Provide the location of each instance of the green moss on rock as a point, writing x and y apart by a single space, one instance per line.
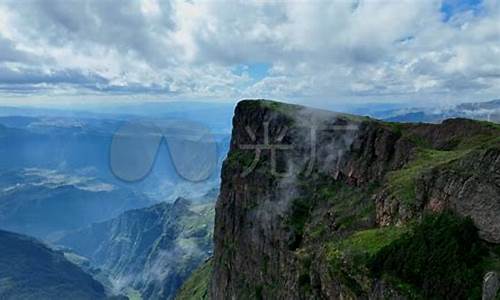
356 251
196 287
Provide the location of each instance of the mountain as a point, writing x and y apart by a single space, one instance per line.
31 270
44 203
486 111
152 249
79 144
353 208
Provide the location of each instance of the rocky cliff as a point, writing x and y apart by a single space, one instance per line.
314 205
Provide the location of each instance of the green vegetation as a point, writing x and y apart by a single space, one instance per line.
30 270
351 207
240 159
442 257
196 287
356 251
492 260
284 108
299 216
489 133
332 222
402 182
401 130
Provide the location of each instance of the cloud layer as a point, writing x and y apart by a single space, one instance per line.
323 50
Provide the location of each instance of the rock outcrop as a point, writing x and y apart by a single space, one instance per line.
491 284
305 191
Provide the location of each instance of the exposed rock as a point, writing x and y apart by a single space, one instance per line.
470 186
270 230
491 284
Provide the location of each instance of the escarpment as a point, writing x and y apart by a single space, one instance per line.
315 204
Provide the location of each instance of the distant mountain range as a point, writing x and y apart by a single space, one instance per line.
44 203
74 142
56 184
486 111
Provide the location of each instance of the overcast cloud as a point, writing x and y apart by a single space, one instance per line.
419 50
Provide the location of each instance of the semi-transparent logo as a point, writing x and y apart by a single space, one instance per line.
191 146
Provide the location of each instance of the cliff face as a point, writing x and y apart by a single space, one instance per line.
293 225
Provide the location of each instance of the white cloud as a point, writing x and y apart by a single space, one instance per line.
330 50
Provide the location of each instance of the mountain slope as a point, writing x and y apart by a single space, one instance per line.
30 270
43 203
151 249
358 187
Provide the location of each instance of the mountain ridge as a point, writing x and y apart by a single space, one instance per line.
313 235
486 111
31 270
150 249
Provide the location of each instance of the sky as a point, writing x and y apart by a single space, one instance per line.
352 51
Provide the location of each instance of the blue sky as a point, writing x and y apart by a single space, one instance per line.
449 8
256 71
350 51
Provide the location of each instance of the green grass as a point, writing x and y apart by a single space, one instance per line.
369 242
351 207
290 110
281 107
402 182
196 287
348 258
442 257
439 257
363 245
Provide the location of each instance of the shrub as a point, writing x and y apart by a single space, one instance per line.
441 257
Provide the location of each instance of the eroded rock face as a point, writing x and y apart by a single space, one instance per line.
375 151
257 255
469 186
